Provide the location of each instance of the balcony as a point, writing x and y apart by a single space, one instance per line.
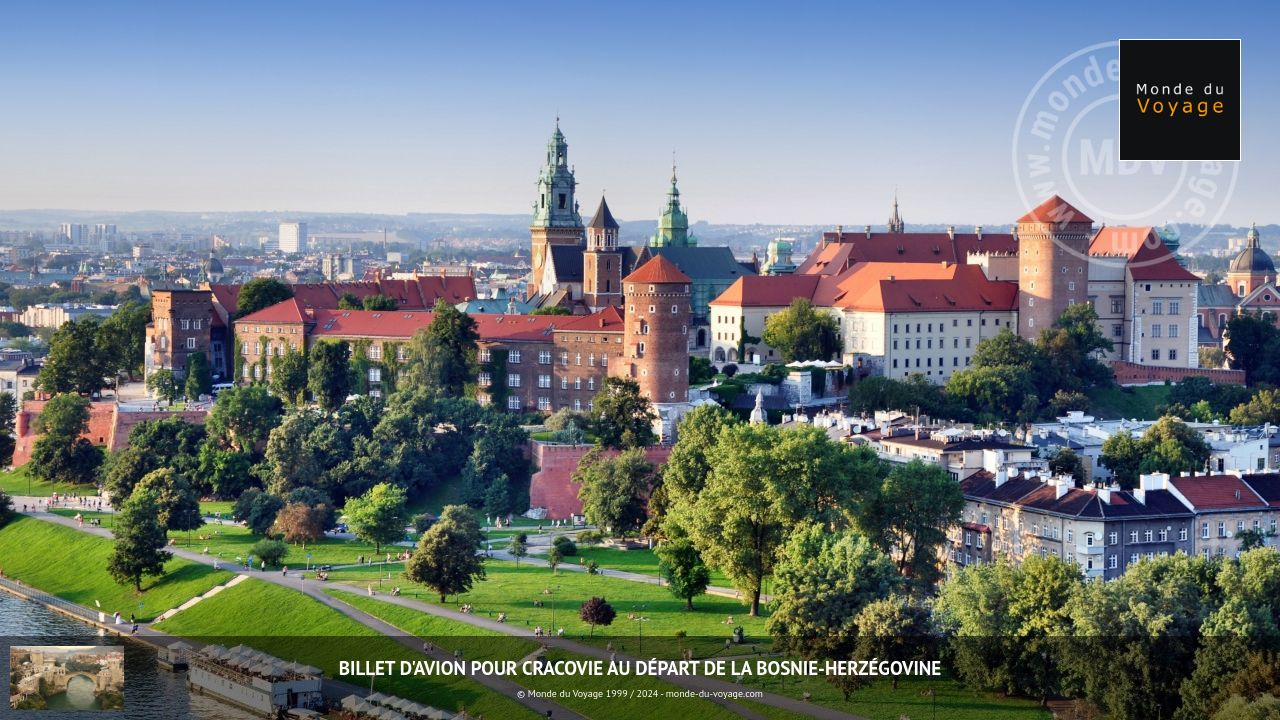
1089 549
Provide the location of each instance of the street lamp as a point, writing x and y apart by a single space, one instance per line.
640 621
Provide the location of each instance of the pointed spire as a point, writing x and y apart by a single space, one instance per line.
895 220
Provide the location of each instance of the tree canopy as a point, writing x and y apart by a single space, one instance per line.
261 293
621 417
802 332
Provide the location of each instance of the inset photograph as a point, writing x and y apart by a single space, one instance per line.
66 677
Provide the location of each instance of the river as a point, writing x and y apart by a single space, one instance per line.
150 692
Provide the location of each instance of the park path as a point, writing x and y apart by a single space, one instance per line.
501 685
314 589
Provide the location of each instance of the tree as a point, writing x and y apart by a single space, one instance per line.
687 575
138 550
269 551
1171 446
349 301
1263 407
242 417
442 356
597 611
1072 348
1264 707
163 385
700 370
448 558
551 310
62 454
614 489
289 377
8 414
1067 462
257 510
329 376
6 508
1213 357
518 547
821 582
261 293
909 517
171 443
379 302
802 333
1250 538
554 557
177 504
299 523
223 473
378 516
621 417
122 337
688 464
1122 454
893 628
996 393
1251 343
199 376
74 363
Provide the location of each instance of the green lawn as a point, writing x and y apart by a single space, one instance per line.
292 626
513 590
20 482
211 507
72 565
640 560
229 541
912 699
479 644
1110 403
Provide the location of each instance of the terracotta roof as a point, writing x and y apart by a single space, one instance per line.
768 290
1055 210
843 250
286 311
916 287
657 270
607 320
1147 257
419 293
1217 492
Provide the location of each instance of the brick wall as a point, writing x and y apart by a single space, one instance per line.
1133 374
108 428
552 486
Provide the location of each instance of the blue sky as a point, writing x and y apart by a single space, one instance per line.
779 112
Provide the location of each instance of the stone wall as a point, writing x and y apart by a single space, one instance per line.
552 486
108 426
1133 374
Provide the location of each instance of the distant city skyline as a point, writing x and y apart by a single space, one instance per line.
805 114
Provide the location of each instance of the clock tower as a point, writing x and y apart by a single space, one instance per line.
556 220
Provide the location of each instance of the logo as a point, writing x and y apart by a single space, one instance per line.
1066 141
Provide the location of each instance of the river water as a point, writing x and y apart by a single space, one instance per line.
150 692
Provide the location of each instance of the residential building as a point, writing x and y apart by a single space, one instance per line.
293 237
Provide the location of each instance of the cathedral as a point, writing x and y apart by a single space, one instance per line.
581 266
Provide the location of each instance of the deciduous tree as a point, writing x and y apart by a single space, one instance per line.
261 293
448 558
621 417
614 489
329 374
687 575
378 516
442 356
138 550
597 611
62 454
802 333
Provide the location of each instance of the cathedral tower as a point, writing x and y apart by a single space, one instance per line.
602 261
1053 263
895 223
673 223
555 213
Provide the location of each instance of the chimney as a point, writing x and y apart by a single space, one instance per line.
951 232
867 229
1002 475
978 231
1104 494
1061 487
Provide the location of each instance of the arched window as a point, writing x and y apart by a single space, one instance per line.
719 354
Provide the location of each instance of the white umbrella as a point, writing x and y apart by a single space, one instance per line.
377 697
349 702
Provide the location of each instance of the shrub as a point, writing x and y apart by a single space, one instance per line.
590 537
272 551
565 545
422 522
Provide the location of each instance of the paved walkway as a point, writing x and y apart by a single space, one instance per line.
314 589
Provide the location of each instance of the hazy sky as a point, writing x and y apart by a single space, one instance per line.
779 111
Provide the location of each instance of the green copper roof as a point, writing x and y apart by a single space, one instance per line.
556 205
673 224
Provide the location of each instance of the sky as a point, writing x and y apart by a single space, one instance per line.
795 112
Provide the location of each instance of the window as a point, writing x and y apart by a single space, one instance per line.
186 324
191 343
577 383
1112 562
604 360
1113 538
1070 534
591 383
375 374
400 353
244 348
544 404
1164 535
1155 354
375 352
1117 330
1174 307
1147 536
591 359
1157 307
1116 306
564 383
544 381
1173 330
1133 536
513 380
514 357
1222 529
675 309
1133 558
483 355
513 402
544 357
564 357
484 380
195 324
1204 530
1155 331
1182 535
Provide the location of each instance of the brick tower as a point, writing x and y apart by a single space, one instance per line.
602 261
1053 263
656 338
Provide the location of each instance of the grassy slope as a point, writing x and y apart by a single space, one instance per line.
640 561
1135 402
289 625
879 701
478 644
513 590
20 482
71 564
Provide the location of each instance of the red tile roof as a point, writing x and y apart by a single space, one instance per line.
419 293
1217 492
768 290
658 270
843 250
1055 210
607 320
1148 258
287 311
916 287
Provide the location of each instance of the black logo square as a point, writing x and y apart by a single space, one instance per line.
1180 99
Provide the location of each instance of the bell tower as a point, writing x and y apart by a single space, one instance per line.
555 211
602 261
673 223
